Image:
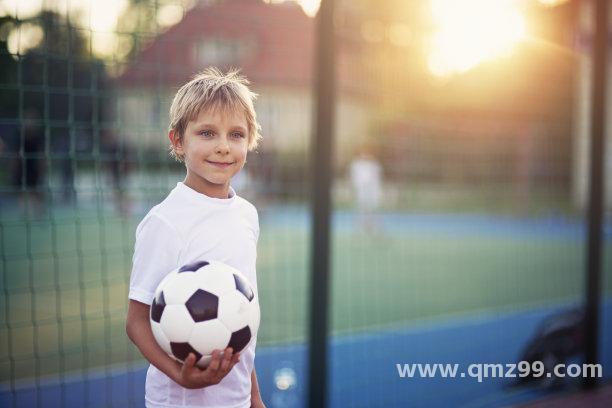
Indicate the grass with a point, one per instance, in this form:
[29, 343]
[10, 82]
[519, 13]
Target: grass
[64, 287]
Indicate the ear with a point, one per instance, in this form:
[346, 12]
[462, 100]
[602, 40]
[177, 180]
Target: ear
[176, 140]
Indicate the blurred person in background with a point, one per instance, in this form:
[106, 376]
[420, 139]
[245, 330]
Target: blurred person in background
[28, 168]
[115, 159]
[366, 177]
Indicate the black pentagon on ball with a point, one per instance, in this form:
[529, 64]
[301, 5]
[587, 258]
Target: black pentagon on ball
[192, 267]
[157, 307]
[243, 287]
[202, 306]
[240, 339]
[182, 350]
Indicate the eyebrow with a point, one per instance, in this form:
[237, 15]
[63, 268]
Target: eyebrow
[211, 125]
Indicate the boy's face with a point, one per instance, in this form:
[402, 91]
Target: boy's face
[214, 147]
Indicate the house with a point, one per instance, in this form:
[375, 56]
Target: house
[273, 44]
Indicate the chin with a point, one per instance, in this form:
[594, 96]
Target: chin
[219, 182]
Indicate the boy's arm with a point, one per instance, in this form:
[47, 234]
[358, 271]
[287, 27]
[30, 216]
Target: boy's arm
[256, 401]
[188, 375]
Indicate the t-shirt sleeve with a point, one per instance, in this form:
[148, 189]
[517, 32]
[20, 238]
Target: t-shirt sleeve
[156, 254]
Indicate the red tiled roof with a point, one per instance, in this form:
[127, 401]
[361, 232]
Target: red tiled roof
[281, 35]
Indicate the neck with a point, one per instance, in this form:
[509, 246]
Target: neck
[207, 188]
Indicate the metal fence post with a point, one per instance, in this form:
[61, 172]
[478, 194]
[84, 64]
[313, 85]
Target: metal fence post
[595, 208]
[322, 175]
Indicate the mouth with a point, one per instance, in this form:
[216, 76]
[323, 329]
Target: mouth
[219, 164]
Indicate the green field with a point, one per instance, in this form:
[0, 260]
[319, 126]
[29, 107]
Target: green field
[64, 285]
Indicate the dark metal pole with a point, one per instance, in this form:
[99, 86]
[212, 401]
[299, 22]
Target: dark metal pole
[322, 174]
[595, 215]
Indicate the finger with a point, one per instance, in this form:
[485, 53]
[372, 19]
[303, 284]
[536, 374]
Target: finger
[188, 363]
[227, 358]
[215, 362]
[235, 359]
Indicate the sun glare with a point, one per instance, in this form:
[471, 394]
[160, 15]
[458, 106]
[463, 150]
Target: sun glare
[25, 37]
[553, 3]
[469, 32]
[310, 7]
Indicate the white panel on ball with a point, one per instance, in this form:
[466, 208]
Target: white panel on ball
[176, 323]
[214, 281]
[208, 336]
[160, 336]
[204, 361]
[164, 281]
[180, 288]
[234, 310]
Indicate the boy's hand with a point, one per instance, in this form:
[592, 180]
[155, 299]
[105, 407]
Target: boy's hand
[193, 377]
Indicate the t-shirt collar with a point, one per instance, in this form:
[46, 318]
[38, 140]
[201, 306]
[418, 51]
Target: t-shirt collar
[203, 198]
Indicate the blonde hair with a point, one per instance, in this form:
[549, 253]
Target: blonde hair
[212, 90]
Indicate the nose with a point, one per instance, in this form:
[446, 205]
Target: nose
[222, 145]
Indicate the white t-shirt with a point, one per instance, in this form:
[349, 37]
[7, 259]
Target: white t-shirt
[186, 227]
[366, 178]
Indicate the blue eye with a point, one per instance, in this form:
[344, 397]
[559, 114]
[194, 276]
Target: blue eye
[206, 133]
[238, 135]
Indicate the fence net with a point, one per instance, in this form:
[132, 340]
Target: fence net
[459, 190]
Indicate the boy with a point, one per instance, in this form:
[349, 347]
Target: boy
[212, 126]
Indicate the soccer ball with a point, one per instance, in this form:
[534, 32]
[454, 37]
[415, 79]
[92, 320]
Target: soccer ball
[203, 307]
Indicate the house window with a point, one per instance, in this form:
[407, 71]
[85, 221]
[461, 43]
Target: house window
[217, 51]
